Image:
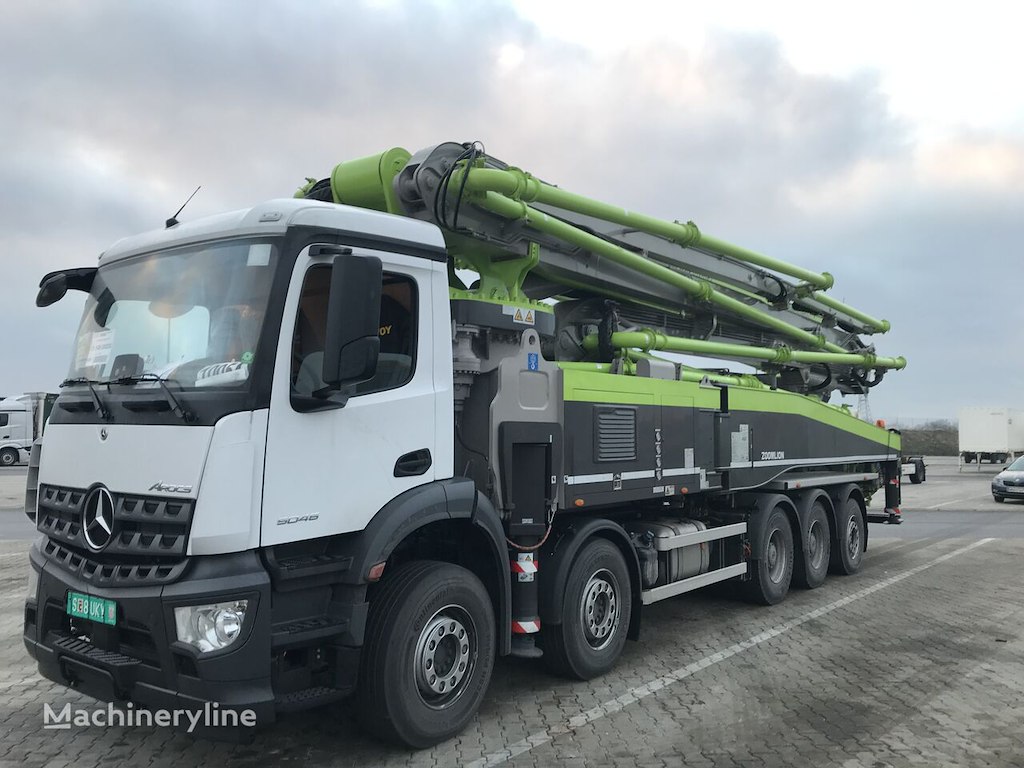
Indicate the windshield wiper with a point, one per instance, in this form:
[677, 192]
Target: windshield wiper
[104, 413]
[178, 409]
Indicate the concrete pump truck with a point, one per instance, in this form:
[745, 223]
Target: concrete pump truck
[298, 458]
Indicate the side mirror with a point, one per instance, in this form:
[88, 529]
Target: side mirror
[54, 285]
[353, 321]
[52, 289]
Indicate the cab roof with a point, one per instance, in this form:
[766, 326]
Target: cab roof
[274, 217]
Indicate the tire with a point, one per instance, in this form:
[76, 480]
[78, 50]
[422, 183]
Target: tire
[9, 457]
[772, 566]
[848, 554]
[917, 477]
[425, 616]
[595, 614]
[968, 459]
[812, 564]
[999, 499]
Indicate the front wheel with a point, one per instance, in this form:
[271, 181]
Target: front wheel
[427, 655]
[999, 499]
[595, 614]
[848, 553]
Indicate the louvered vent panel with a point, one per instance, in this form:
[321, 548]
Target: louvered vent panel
[616, 434]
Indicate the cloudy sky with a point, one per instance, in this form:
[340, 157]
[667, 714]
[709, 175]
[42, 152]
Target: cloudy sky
[880, 143]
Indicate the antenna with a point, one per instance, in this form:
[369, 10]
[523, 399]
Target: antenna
[173, 221]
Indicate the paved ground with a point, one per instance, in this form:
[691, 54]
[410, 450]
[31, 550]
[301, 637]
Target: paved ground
[13, 523]
[917, 660]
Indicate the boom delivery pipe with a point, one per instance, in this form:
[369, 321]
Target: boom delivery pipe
[519, 185]
[648, 340]
[879, 326]
[516, 210]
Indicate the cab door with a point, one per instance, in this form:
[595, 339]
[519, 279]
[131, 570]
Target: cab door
[330, 471]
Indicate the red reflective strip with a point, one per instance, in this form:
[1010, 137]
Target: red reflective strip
[526, 627]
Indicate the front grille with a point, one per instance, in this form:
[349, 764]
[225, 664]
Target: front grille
[147, 543]
[87, 567]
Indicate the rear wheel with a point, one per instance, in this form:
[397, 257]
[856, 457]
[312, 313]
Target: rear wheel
[772, 566]
[850, 536]
[595, 614]
[427, 655]
[8, 457]
[813, 565]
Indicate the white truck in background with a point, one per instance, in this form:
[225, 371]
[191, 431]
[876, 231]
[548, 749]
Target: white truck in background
[991, 434]
[21, 423]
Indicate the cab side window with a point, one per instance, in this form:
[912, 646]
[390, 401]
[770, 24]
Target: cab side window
[397, 359]
[4, 419]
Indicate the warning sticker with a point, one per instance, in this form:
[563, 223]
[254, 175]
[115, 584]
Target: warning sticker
[519, 315]
[741, 445]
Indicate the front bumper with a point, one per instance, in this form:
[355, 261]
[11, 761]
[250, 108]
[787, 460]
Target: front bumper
[140, 659]
[1008, 491]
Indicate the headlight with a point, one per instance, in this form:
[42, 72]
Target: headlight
[33, 582]
[997, 481]
[210, 627]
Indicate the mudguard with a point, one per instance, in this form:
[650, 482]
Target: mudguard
[454, 499]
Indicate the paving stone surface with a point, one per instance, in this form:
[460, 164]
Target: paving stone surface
[918, 660]
[923, 669]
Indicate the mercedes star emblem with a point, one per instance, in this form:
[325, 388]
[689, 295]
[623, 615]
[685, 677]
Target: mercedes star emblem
[98, 518]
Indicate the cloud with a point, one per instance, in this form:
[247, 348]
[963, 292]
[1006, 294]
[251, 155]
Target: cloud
[130, 106]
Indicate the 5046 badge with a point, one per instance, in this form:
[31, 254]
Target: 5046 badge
[297, 519]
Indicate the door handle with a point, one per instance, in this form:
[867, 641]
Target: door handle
[414, 463]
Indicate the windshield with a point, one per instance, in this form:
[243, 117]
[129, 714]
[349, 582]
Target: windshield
[191, 316]
[1018, 465]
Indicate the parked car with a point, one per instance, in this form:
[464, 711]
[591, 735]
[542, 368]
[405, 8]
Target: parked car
[1009, 484]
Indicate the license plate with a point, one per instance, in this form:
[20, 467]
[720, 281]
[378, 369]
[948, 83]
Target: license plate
[92, 608]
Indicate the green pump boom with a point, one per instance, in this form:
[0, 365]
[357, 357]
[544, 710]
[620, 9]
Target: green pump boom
[618, 280]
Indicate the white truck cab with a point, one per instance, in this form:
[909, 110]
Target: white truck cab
[15, 431]
[196, 432]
